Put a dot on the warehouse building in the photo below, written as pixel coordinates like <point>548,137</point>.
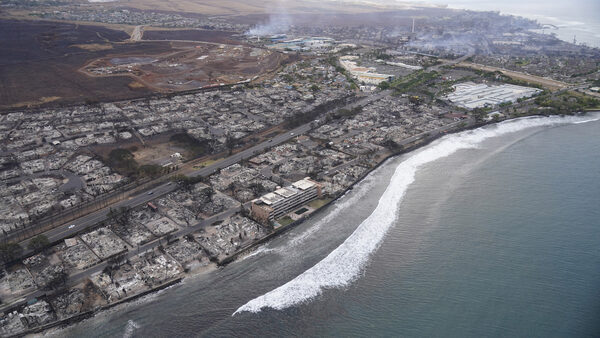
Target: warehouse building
<point>476,95</point>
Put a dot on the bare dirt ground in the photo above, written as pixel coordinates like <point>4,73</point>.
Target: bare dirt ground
<point>156,150</point>
<point>193,65</point>
<point>39,63</point>
<point>156,153</point>
<point>154,33</point>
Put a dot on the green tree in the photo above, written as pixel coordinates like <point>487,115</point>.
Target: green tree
<point>57,281</point>
<point>150,170</point>
<point>384,85</point>
<point>38,242</point>
<point>230,143</point>
<point>121,216</point>
<point>10,251</point>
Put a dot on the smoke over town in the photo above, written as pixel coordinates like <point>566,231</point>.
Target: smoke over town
<point>279,22</point>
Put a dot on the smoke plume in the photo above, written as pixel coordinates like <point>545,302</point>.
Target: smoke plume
<point>279,22</point>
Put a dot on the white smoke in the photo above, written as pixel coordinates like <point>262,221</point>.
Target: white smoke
<point>344,264</point>
<point>462,43</point>
<point>278,22</point>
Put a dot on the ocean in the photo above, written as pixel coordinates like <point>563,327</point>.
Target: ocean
<point>489,232</point>
<point>574,19</point>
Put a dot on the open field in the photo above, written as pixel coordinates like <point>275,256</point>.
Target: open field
<point>191,66</point>
<point>152,33</point>
<point>155,150</point>
<point>25,15</point>
<point>41,60</point>
<point>40,63</point>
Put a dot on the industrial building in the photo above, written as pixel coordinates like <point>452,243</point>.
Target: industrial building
<point>283,200</point>
<point>476,95</point>
<point>363,74</point>
<point>302,44</point>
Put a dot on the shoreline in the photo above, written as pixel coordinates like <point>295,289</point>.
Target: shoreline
<point>91,313</point>
<point>415,145</point>
<point>425,139</point>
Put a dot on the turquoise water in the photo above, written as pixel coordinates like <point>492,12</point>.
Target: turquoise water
<point>496,232</point>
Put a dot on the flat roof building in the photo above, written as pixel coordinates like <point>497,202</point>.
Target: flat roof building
<point>473,95</point>
<point>283,200</point>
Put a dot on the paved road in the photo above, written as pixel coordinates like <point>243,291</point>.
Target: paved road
<point>81,276</point>
<point>435,132</point>
<point>73,227</point>
<point>91,219</point>
<point>451,62</point>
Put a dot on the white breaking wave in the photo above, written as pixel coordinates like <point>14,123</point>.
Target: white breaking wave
<point>130,328</point>
<point>260,250</point>
<point>360,189</point>
<point>344,264</point>
<point>586,121</point>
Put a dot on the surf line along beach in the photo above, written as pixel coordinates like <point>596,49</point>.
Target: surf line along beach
<point>408,145</point>
<point>353,254</point>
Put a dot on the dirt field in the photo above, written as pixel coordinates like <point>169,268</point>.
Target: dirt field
<point>190,35</point>
<point>157,149</point>
<point>39,63</point>
<point>192,66</point>
<point>157,153</point>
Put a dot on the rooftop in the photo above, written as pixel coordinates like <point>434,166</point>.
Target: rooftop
<point>271,198</point>
<point>303,184</point>
<point>286,192</point>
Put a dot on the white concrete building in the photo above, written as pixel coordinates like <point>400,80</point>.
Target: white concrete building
<point>283,200</point>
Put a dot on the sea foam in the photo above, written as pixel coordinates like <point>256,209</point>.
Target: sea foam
<point>359,191</point>
<point>344,264</point>
<point>130,328</point>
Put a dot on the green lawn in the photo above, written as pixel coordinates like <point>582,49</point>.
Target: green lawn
<point>207,163</point>
<point>316,204</point>
<point>285,220</point>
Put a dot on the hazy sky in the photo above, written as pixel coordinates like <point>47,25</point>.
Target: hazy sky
<point>579,18</point>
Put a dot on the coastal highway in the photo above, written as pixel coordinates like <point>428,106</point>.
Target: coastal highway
<point>142,198</point>
<point>451,62</point>
<point>82,275</point>
<point>73,227</point>
<point>252,151</point>
<point>66,230</point>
